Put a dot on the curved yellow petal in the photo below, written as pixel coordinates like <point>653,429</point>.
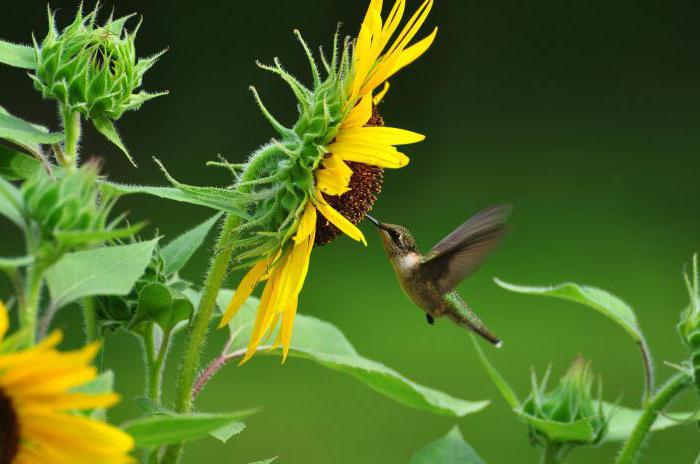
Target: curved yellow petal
<point>334,178</point>
<point>379,97</point>
<point>380,135</point>
<point>360,114</point>
<point>414,52</point>
<point>338,220</point>
<point>383,156</point>
<point>244,290</point>
<point>307,224</point>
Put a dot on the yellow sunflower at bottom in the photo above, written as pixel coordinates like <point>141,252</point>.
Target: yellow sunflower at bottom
<point>37,423</point>
<point>322,177</point>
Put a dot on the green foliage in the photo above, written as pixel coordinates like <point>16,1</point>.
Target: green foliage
<point>323,343</point>
<point>103,271</point>
<point>19,56</point>
<point>25,134</point>
<point>160,430</point>
<point>604,302</point>
<point>689,326</point>
<point>450,449</point>
<point>178,252</point>
<point>165,306</point>
<point>11,203</point>
<point>15,165</point>
<point>93,70</point>
<point>68,210</point>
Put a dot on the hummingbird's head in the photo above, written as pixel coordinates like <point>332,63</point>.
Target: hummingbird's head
<point>397,240</point>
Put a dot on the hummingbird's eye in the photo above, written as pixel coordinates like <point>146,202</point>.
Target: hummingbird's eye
<point>395,236</point>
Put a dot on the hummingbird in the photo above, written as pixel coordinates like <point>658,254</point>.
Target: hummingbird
<point>429,280</point>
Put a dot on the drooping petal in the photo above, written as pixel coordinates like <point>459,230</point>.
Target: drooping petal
<point>4,321</point>
<point>360,114</point>
<point>335,176</point>
<point>244,290</point>
<point>338,220</point>
<point>384,156</point>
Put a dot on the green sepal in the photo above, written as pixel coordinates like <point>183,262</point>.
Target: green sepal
<point>106,127</point>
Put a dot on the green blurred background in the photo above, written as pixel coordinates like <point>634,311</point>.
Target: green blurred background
<point>584,115</point>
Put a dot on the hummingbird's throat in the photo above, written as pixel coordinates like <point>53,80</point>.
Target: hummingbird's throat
<point>365,185</point>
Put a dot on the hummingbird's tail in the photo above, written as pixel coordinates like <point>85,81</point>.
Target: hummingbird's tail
<point>464,316</point>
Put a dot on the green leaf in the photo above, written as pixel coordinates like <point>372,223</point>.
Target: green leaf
<point>218,199</point>
<point>450,449</point>
<point>176,253</point>
<point>103,271</point>
<point>19,56</point>
<point>600,300</point>
<point>24,133</point>
<point>155,302</point>
<point>323,343</point>
<point>222,434</point>
<point>11,203</point>
<point>503,387</point>
<point>15,165</point>
<point>167,430</point>
<point>623,421</point>
<point>225,433</point>
<point>82,237</point>
<point>106,127</point>
<point>605,303</point>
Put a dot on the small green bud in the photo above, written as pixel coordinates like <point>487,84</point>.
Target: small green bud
<point>92,69</point>
<point>571,403</point>
<point>67,210</point>
<point>689,327</point>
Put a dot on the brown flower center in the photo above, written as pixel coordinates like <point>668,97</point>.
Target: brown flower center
<point>9,430</point>
<point>365,185</point>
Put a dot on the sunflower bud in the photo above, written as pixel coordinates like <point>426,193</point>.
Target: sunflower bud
<point>689,326</point>
<point>567,416</point>
<point>68,211</point>
<point>92,70</point>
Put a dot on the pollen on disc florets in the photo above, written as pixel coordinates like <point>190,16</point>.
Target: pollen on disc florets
<point>92,69</point>
<point>9,430</point>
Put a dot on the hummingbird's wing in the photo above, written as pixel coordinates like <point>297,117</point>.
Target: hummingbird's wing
<point>459,254</point>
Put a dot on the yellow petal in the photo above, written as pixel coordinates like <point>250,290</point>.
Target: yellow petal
<point>307,224</point>
<point>383,156</point>
<point>4,321</point>
<point>338,220</point>
<point>380,135</point>
<point>285,336</point>
<point>379,97</point>
<point>360,114</point>
<point>244,290</point>
<point>414,52</point>
<point>334,177</point>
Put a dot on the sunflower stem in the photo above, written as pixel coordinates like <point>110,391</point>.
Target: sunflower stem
<point>90,319</point>
<point>550,455</point>
<point>155,382</point>
<point>32,294</point>
<point>199,327</point>
<point>676,384</point>
<point>72,129</point>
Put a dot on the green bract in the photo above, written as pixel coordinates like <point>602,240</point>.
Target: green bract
<point>689,327</point>
<point>272,188</point>
<point>571,403</point>
<point>92,70</point>
<point>66,209</point>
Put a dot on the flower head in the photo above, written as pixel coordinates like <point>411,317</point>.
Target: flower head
<point>36,400</point>
<point>570,404</point>
<point>92,69</point>
<point>322,175</point>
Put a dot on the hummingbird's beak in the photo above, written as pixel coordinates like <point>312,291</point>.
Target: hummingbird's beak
<point>374,221</point>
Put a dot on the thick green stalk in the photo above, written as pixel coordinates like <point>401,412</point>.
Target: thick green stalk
<point>29,312</point>
<point>199,327</point>
<point>550,455</point>
<point>71,128</point>
<point>675,385</point>
<point>90,319</point>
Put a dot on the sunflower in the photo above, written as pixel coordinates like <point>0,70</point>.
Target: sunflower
<point>36,424</point>
<point>345,146</point>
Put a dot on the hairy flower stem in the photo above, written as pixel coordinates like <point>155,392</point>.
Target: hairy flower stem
<point>71,127</point>
<point>199,327</point>
<point>155,374</point>
<point>550,455</point>
<point>90,319</point>
<point>29,312</point>
<point>675,385</point>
